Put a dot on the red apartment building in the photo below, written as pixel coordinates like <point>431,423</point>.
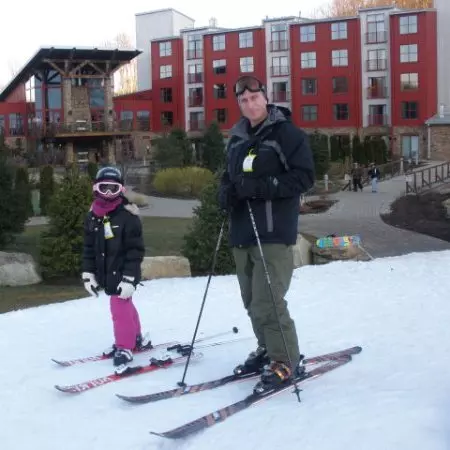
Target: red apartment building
<point>373,74</point>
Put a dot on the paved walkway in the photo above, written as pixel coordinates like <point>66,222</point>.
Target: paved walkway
<point>359,213</point>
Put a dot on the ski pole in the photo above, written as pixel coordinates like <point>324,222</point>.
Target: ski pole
<point>266,272</point>
<point>185,349</point>
<point>213,266</point>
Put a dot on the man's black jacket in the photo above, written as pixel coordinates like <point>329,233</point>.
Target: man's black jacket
<point>283,169</point>
<point>111,259</point>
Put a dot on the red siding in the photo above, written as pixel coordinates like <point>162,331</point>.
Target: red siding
<point>139,101</point>
<point>232,55</point>
<point>18,95</point>
<point>176,83</point>
<point>7,108</point>
<point>324,73</point>
<point>425,67</point>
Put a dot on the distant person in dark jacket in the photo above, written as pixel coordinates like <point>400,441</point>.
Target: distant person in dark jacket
<point>374,175</point>
<point>269,165</point>
<point>112,257</point>
<point>357,174</point>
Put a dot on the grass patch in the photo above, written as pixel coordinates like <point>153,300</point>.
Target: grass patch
<point>162,237</point>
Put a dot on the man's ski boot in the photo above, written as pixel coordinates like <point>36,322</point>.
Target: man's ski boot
<point>276,374</point>
<point>122,356</point>
<point>255,362</point>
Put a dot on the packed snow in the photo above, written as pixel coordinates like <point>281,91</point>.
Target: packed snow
<point>394,395</point>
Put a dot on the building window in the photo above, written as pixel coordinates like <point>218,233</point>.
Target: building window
<point>408,24</point>
<point>246,64</point>
<point>377,87</point>
<point>377,60</point>
<point>220,115</point>
<point>340,111</point>
<point>195,98</point>
<point>16,124</point>
<point>165,71</point>
<point>220,66</point>
<point>280,66</point>
<point>195,73</point>
<point>340,85</point>
<point>410,147</point>
<point>143,120</point>
<point>166,118</point>
<point>376,28</point>
<point>409,81</point>
<point>338,30</point>
<point>195,46</point>
<point>377,115</point>
<point>220,91</point>
<point>280,92</point>
<point>309,113</point>
<point>165,48</point>
<point>278,37</point>
<point>166,95</point>
<point>219,42</point>
<point>308,60</point>
<point>196,121</point>
<point>339,58</point>
<point>246,39</point>
<point>309,86</point>
<point>308,33</point>
<point>410,110</point>
<point>408,53</point>
<point>2,125</point>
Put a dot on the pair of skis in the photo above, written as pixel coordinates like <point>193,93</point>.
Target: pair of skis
<point>331,361</point>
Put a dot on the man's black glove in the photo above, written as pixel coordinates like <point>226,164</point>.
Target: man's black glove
<point>227,197</point>
<point>248,187</point>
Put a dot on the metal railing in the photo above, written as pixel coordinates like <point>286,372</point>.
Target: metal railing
<point>195,78</point>
<point>278,71</point>
<point>377,92</point>
<point>196,125</point>
<point>277,46</point>
<point>376,37</point>
<point>281,96</point>
<point>376,64</point>
<point>377,120</point>
<point>425,179</point>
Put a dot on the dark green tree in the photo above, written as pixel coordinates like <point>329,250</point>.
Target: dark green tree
<point>319,147</point>
<point>62,243</point>
<point>200,242</point>
<point>46,188</point>
<point>173,149</point>
<point>213,148</point>
<point>11,221</point>
<point>357,150</point>
<point>22,191</point>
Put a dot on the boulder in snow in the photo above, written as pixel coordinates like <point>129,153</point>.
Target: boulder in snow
<point>18,269</point>
<point>165,267</point>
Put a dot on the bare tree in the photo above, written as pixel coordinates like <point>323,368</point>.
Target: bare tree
<point>126,80</point>
<point>345,8</point>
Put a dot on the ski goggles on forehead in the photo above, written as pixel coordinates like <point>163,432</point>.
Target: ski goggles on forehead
<point>108,187</point>
<point>250,84</point>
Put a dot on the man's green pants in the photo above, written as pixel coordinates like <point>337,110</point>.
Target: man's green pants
<point>257,298</point>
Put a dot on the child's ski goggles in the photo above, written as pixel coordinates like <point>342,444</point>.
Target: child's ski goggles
<point>108,188</point>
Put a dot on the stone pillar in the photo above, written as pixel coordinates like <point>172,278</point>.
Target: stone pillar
<point>67,101</point>
<point>111,153</point>
<point>69,153</point>
<point>109,107</point>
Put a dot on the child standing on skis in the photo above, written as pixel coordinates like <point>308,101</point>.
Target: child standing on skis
<point>112,257</point>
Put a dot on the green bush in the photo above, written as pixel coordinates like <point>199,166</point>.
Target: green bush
<point>183,182</point>
<point>22,189</point>
<point>200,242</point>
<point>92,169</point>
<point>62,244</point>
<point>46,188</point>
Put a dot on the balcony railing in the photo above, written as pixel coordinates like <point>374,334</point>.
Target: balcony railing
<point>195,78</point>
<point>377,120</point>
<point>196,125</point>
<point>194,54</point>
<point>195,100</point>
<point>281,96</point>
<point>86,127</point>
<point>376,64</point>
<point>279,71</point>
<point>278,46</point>
<point>376,37</point>
<point>377,92</point>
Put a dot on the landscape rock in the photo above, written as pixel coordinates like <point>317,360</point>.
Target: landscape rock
<point>18,269</point>
<point>165,267</point>
<point>302,252</point>
<point>326,255</point>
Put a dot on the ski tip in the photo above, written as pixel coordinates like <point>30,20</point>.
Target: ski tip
<point>126,398</point>
<point>162,435</point>
<point>66,389</point>
<point>60,363</point>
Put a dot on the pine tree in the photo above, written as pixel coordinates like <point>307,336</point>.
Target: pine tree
<point>173,149</point>
<point>319,147</point>
<point>200,242</point>
<point>62,243</point>
<point>213,146</point>
<point>22,191</point>
<point>46,188</point>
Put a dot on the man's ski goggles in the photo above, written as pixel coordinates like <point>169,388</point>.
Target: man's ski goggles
<point>108,188</point>
<point>248,83</point>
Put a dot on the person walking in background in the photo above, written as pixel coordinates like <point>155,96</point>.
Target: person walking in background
<point>374,175</point>
<point>357,173</point>
<point>269,165</point>
<point>112,256</point>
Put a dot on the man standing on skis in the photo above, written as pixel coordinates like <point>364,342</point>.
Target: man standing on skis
<point>269,165</point>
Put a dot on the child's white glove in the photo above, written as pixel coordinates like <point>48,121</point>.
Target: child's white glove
<point>126,287</point>
<point>90,283</point>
